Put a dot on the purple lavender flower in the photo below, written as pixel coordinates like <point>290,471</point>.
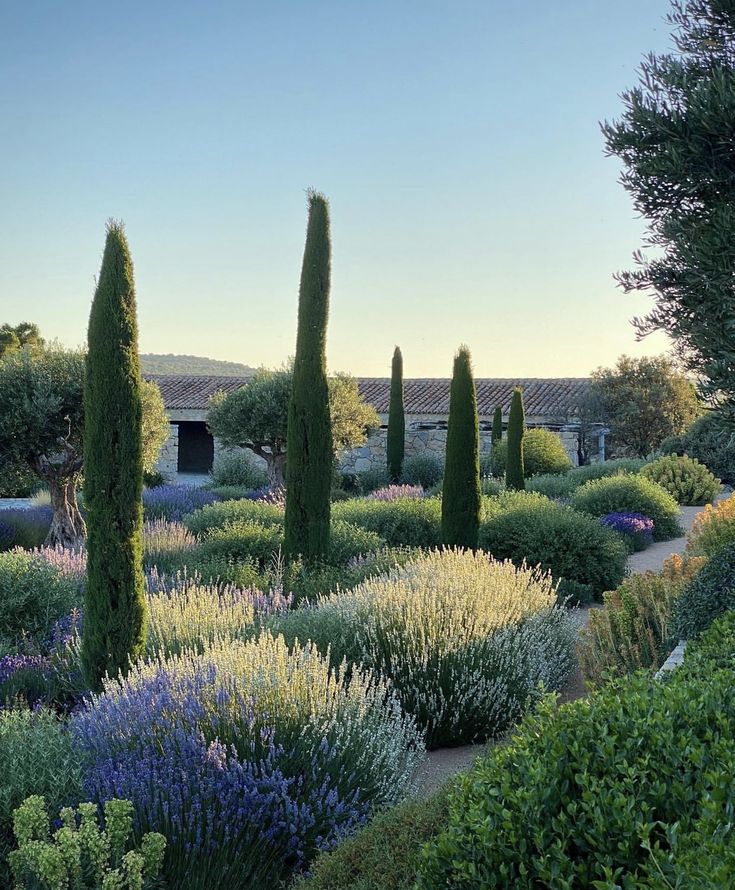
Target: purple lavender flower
<point>173,502</point>
<point>396,492</point>
<point>635,526</point>
<point>25,677</point>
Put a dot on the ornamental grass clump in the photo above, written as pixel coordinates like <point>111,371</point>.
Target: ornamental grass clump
<point>685,478</point>
<point>636,529</point>
<point>248,758</point>
<point>82,854</point>
<point>174,502</point>
<point>465,641</point>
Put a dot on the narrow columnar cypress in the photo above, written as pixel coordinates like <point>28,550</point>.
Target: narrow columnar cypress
<point>461,487</point>
<point>514,473</point>
<point>309,436</point>
<point>114,601</point>
<point>497,433</point>
<point>396,439</point>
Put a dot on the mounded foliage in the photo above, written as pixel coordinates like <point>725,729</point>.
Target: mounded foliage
<point>424,469</point>
<point>709,594</point>
<point>543,453</point>
<point>630,494</point>
<point>465,641</point>
<point>713,528</point>
<point>569,801</point>
<point>408,522</point>
<point>711,440</point>
<point>690,482</point>
<point>571,546</point>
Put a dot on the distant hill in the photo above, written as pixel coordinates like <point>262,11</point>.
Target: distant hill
<point>192,364</point>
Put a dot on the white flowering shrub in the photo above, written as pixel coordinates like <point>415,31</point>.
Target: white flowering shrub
<point>465,641</point>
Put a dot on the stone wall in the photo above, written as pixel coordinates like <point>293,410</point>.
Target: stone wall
<point>372,455</point>
<point>168,459</point>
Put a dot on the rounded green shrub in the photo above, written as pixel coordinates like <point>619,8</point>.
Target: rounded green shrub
<point>616,467</point>
<point>464,640</point>
<point>406,522</point>
<point>557,486</point>
<point>684,478</point>
<point>33,596</point>
<point>630,494</point>
<point>424,469</point>
<point>709,594</point>
<point>571,546</point>
<point>237,468</point>
<point>631,782</point>
<point>223,513</point>
<point>543,453</point>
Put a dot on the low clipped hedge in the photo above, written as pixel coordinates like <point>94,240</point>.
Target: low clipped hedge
<point>543,452</point>
<point>685,479</point>
<point>709,594</point>
<point>630,494</point>
<point>629,788</point>
<point>572,546</point>
<point>407,522</point>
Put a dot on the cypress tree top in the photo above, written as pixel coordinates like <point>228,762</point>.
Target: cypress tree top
<point>514,470</point>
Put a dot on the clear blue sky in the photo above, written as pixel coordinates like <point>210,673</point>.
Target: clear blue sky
<point>458,143</point>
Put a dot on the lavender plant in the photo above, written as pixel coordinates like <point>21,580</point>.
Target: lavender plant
<point>173,502</point>
<point>248,757</point>
<point>166,544</point>
<point>464,640</point>
<point>636,528</point>
<point>25,527</point>
<point>396,492</point>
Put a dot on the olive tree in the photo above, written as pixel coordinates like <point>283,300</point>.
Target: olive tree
<point>256,417</point>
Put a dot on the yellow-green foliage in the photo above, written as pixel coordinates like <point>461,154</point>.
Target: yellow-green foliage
<point>684,478</point>
<point>632,630</point>
<point>80,854</point>
<point>713,529</point>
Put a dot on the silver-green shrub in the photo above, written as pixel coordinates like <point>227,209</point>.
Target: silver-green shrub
<point>684,477</point>
<point>465,641</point>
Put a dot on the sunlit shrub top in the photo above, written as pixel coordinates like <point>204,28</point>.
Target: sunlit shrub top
<point>685,478</point>
<point>713,528</point>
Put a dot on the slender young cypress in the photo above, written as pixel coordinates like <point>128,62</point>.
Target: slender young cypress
<point>309,435</point>
<point>114,602</point>
<point>461,488</point>
<point>514,474</point>
<point>396,439</point>
<point>497,433</point>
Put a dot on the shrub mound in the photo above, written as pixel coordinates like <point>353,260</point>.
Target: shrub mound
<point>407,522</point>
<point>603,787</point>
<point>543,453</point>
<point>238,469</point>
<point>711,440</point>
<point>630,494</point>
<point>424,469</point>
<point>463,639</point>
<point>248,758</point>
<point>218,515</point>
<point>684,477</point>
<point>570,545</point>
<point>709,594</point>
<point>713,528</point>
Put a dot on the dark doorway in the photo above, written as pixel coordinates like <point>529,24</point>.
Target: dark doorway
<point>196,447</point>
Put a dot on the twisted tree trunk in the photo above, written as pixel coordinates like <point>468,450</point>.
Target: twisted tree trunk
<point>61,473</point>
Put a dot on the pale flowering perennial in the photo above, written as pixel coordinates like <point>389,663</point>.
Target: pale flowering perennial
<point>248,757</point>
<point>396,493</point>
<point>466,642</point>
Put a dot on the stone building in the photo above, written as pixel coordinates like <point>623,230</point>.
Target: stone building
<point>550,403</point>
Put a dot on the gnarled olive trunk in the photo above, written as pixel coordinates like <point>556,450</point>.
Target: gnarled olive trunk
<point>275,461</point>
<point>61,473</point>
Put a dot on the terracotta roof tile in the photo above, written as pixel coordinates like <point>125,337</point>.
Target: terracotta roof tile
<point>549,397</point>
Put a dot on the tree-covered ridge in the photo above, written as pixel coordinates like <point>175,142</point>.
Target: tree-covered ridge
<point>157,363</point>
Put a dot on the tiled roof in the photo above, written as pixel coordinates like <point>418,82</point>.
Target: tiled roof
<point>186,391</point>
<point>542,396</point>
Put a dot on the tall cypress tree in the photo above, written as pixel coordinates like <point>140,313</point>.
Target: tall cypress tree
<point>114,602</point>
<point>396,439</point>
<point>461,488</point>
<point>497,433</point>
<point>309,435</point>
<point>514,473</point>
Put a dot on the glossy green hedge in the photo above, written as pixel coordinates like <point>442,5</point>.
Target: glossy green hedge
<point>631,788</point>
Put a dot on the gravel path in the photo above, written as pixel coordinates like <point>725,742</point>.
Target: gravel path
<point>446,762</point>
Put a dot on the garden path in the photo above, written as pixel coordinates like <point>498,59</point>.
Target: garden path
<point>445,762</point>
